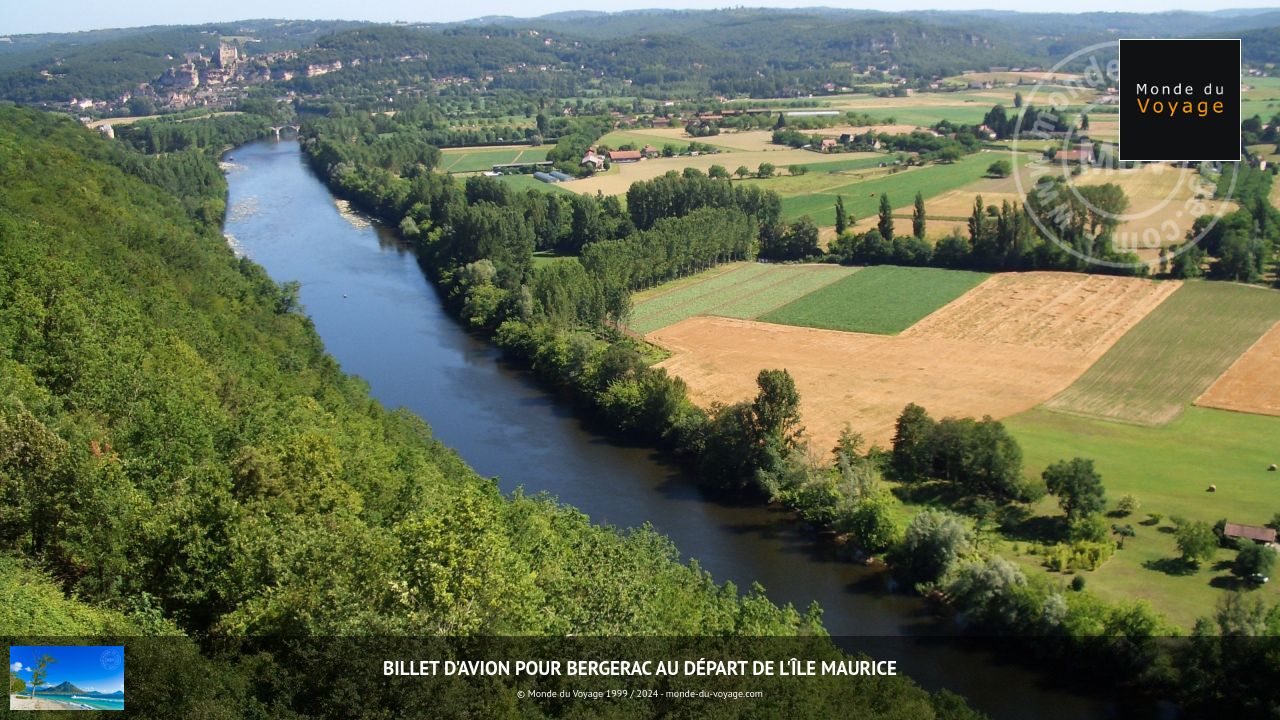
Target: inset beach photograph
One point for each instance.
(66, 677)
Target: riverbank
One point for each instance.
(23, 702)
(383, 319)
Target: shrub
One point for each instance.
(1077, 583)
(933, 542)
(1088, 529)
(872, 525)
(1127, 505)
(1081, 555)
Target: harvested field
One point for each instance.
(988, 352)
(1252, 383)
(885, 299)
(1162, 204)
(746, 291)
(1172, 356)
(621, 175)
(1049, 310)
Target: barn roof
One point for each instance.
(1252, 532)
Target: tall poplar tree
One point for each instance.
(886, 218)
(917, 218)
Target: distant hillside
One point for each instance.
(732, 51)
(62, 688)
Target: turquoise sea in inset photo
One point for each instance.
(66, 677)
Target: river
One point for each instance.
(382, 320)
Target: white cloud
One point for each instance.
(16, 667)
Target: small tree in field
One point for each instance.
(1078, 487)
(1196, 541)
(1254, 560)
(1000, 168)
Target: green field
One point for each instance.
(460, 160)
(1172, 355)
(862, 198)
(824, 177)
(743, 290)
(1169, 469)
(885, 299)
(930, 115)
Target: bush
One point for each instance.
(1089, 529)
(1077, 583)
(934, 541)
(999, 169)
(872, 525)
(1081, 555)
(1127, 505)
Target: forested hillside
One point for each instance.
(178, 453)
(743, 51)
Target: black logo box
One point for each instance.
(1180, 137)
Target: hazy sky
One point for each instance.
(28, 16)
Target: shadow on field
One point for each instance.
(1171, 566)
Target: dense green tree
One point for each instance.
(1078, 487)
(1253, 559)
(842, 218)
(777, 407)
(918, 217)
(1196, 541)
(912, 455)
(885, 223)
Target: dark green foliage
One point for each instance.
(185, 440)
(1078, 487)
(934, 542)
(1253, 560)
(1196, 541)
(885, 223)
(918, 217)
(797, 242)
(979, 457)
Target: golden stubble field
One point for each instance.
(748, 140)
(622, 175)
(1252, 383)
(1004, 347)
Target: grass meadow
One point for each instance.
(862, 197)
(743, 290)
(1169, 469)
(477, 159)
(885, 299)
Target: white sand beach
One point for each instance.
(24, 702)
